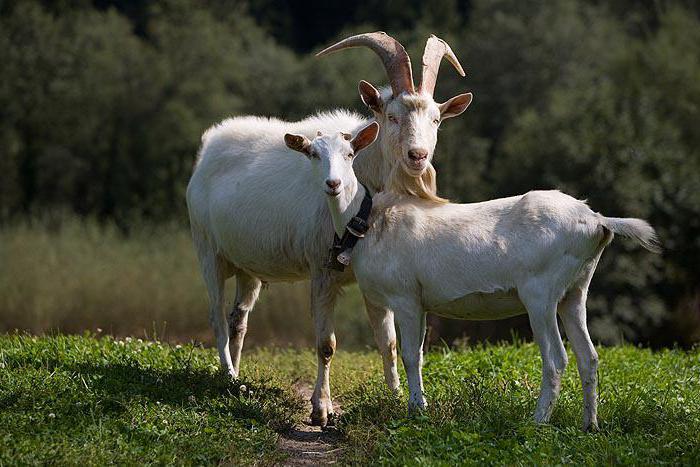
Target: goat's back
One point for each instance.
(255, 200)
(447, 251)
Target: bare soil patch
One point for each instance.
(311, 445)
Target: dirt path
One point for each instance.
(309, 445)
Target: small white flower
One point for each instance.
(52, 415)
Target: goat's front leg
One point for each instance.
(411, 320)
(323, 296)
(382, 321)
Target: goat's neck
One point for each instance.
(344, 206)
(369, 166)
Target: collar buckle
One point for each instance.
(357, 226)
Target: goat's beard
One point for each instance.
(422, 186)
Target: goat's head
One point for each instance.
(409, 117)
(332, 156)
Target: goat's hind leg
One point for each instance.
(215, 270)
(572, 310)
(542, 312)
(247, 292)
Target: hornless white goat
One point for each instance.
(534, 254)
(255, 214)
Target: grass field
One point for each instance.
(99, 400)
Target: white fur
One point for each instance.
(410, 122)
(534, 254)
(254, 214)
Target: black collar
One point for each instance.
(340, 252)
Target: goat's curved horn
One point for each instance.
(435, 50)
(393, 55)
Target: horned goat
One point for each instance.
(255, 215)
(534, 253)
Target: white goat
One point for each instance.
(534, 254)
(255, 214)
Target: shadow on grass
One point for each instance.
(115, 386)
(174, 386)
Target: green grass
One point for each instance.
(482, 400)
(81, 400)
(95, 401)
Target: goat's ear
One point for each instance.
(370, 96)
(455, 106)
(365, 137)
(298, 143)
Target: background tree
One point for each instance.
(103, 103)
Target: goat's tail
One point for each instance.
(636, 229)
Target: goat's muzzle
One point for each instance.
(333, 187)
(417, 159)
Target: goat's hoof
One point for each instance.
(318, 419)
(416, 408)
(330, 422)
(591, 427)
(541, 418)
(228, 373)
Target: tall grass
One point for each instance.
(85, 275)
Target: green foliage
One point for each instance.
(102, 105)
(616, 132)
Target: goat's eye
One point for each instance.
(351, 155)
(392, 119)
(436, 121)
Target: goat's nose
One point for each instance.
(417, 154)
(333, 184)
